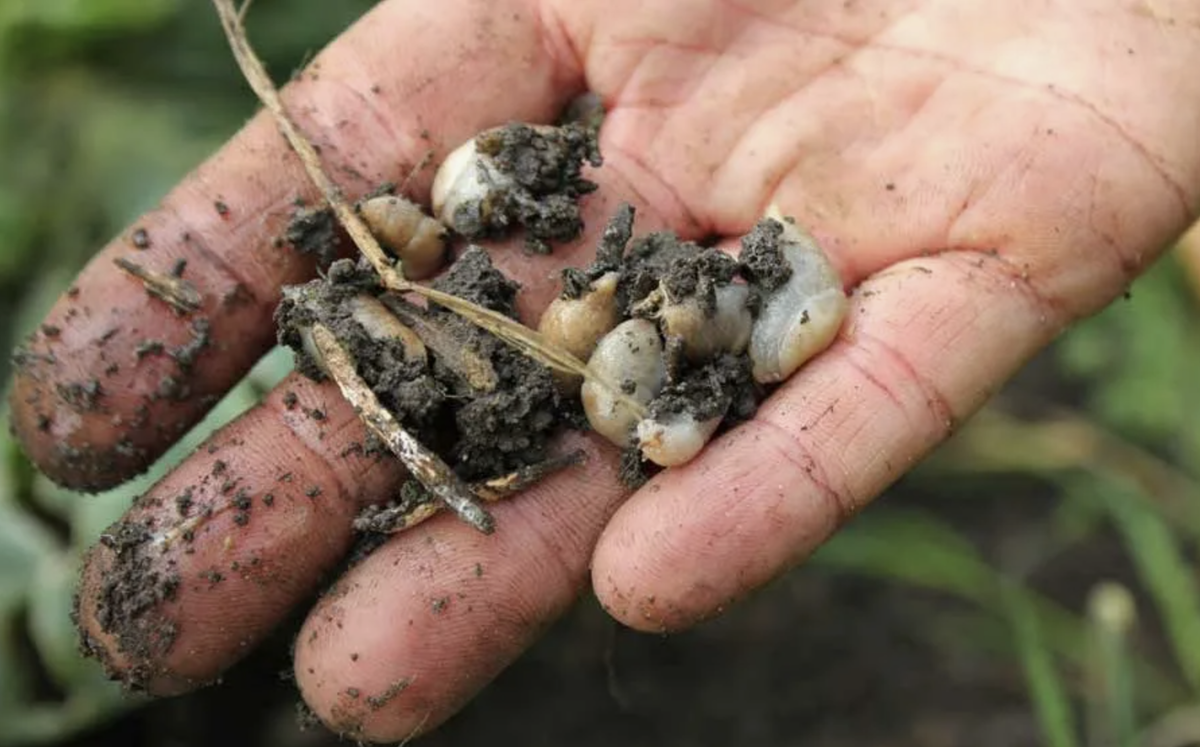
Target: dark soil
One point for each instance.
(480, 433)
(127, 600)
(762, 257)
(544, 166)
(723, 387)
(315, 231)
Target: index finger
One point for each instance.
(117, 373)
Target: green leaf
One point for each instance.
(1161, 566)
(1112, 717)
(91, 16)
(1047, 689)
(912, 547)
(1138, 359)
(24, 543)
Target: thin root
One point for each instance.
(177, 292)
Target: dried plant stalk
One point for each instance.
(425, 466)
(178, 293)
(396, 519)
(514, 333)
(473, 368)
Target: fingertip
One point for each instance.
(216, 554)
(119, 371)
(637, 592)
(132, 650)
(408, 635)
(429, 618)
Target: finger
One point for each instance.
(211, 559)
(408, 636)
(114, 376)
(924, 345)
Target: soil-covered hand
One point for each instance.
(982, 174)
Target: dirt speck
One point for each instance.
(315, 231)
(375, 702)
(83, 396)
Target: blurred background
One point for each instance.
(1032, 583)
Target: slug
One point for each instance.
(517, 175)
(725, 330)
(577, 324)
(803, 300)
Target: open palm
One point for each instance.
(981, 173)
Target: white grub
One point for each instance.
(403, 228)
(577, 324)
(675, 439)
(381, 324)
(629, 357)
(470, 181)
(802, 317)
(309, 345)
(464, 178)
(704, 337)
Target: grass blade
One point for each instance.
(1047, 690)
(1111, 715)
(1160, 563)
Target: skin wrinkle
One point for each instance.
(566, 53)
(1051, 312)
(874, 43)
(353, 83)
(793, 450)
(940, 414)
(1118, 257)
(664, 200)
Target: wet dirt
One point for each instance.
(762, 257)
(315, 232)
(658, 268)
(722, 388)
(542, 170)
(480, 433)
(127, 598)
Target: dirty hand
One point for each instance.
(982, 175)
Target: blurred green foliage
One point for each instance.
(1121, 463)
(104, 105)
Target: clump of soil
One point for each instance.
(315, 232)
(537, 183)
(762, 257)
(481, 431)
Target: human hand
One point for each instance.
(982, 174)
